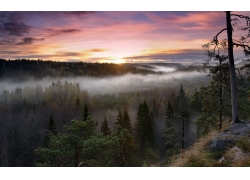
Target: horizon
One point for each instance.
(110, 36)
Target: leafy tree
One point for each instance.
(85, 112)
(105, 130)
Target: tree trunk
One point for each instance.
(220, 124)
(235, 118)
(183, 136)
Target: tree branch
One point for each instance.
(216, 37)
(241, 16)
(242, 45)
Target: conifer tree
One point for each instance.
(77, 101)
(51, 130)
(105, 130)
(85, 112)
(182, 112)
(169, 132)
(215, 98)
(119, 119)
(144, 128)
(126, 121)
(232, 21)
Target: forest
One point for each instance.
(93, 114)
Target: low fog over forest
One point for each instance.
(28, 103)
(31, 105)
(114, 84)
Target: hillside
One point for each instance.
(234, 154)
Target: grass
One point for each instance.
(198, 155)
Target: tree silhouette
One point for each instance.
(229, 44)
(182, 113)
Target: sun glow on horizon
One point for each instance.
(115, 61)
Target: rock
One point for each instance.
(234, 154)
(229, 136)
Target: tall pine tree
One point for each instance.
(182, 113)
(169, 133)
(144, 127)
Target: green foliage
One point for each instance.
(50, 130)
(243, 144)
(151, 157)
(169, 133)
(85, 112)
(144, 128)
(182, 112)
(215, 98)
(126, 121)
(119, 119)
(182, 105)
(52, 125)
(105, 130)
(125, 149)
(82, 146)
(71, 148)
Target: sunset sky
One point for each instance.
(109, 36)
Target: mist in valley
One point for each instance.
(117, 84)
(104, 96)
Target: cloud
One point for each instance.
(55, 32)
(172, 55)
(29, 40)
(15, 28)
(65, 53)
(97, 50)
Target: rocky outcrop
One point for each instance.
(229, 137)
(234, 154)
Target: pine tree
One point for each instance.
(169, 132)
(215, 98)
(51, 130)
(182, 112)
(85, 112)
(126, 121)
(77, 101)
(144, 128)
(105, 130)
(232, 21)
(119, 119)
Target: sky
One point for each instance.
(109, 36)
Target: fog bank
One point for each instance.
(115, 84)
